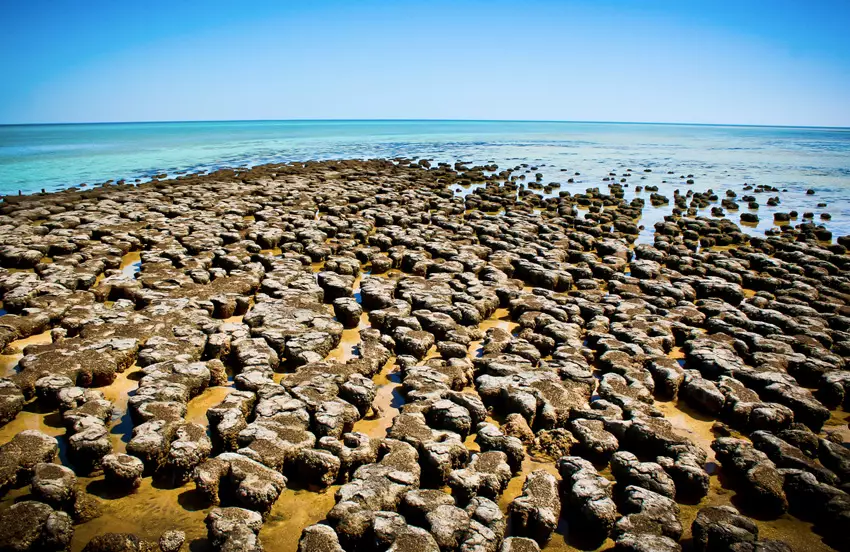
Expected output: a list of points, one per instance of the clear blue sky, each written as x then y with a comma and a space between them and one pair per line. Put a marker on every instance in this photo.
718, 61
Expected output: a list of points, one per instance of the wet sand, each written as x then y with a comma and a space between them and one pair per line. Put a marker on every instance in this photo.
15, 351
386, 404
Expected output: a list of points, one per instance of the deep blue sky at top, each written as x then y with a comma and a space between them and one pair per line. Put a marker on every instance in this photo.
718, 61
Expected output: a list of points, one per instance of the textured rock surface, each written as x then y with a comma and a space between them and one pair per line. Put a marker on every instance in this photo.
327, 347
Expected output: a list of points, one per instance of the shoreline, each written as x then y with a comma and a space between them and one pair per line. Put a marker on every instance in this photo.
336, 353
711, 205
56, 159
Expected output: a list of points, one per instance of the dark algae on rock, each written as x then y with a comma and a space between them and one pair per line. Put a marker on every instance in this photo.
353, 356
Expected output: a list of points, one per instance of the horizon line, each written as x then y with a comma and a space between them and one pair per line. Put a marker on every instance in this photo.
330, 120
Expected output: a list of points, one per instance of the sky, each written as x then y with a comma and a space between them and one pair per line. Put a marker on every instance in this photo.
771, 62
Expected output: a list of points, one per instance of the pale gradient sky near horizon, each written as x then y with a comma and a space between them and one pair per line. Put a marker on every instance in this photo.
728, 62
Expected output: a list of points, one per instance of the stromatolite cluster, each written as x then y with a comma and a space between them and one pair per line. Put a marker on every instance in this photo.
513, 326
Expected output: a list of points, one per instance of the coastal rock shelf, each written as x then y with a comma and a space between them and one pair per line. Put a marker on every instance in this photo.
353, 356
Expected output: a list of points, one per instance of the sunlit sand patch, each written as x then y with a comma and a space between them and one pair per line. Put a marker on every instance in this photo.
233, 319
118, 393
8, 362
196, 410
385, 406
689, 423
471, 444
147, 512
30, 418
432, 353
514, 488
294, 510
676, 353
392, 273
349, 343
499, 319
131, 264
838, 423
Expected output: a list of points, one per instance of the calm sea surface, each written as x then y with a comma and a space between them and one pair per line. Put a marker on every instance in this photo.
53, 157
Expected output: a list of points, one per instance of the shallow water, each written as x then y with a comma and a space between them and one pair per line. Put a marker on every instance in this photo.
53, 157
131, 264
8, 362
294, 510
31, 418
118, 393
196, 410
349, 343
385, 406
500, 319
689, 423
147, 512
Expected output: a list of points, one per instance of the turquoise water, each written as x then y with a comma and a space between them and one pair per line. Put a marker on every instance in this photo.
52, 157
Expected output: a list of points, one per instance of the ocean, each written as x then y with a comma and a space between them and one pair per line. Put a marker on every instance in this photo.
793, 159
